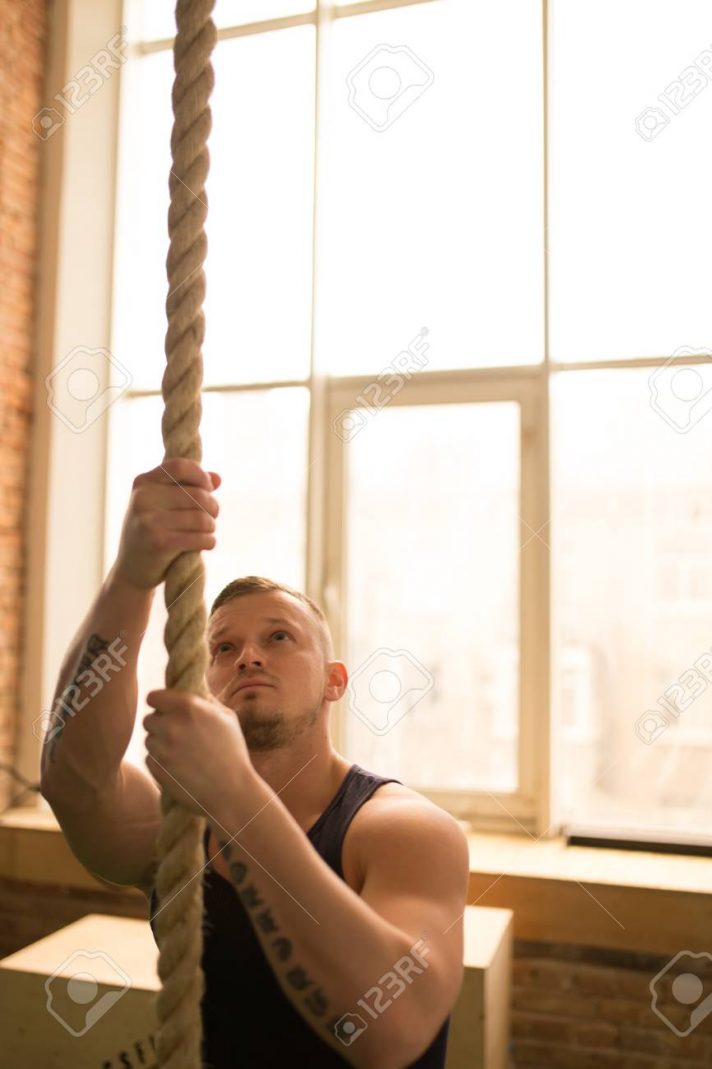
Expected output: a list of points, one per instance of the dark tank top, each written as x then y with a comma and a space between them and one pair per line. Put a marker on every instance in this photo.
247, 1018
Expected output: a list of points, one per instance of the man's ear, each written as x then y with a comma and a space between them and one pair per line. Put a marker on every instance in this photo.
337, 678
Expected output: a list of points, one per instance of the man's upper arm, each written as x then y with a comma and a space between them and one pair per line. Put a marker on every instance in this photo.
114, 835
415, 860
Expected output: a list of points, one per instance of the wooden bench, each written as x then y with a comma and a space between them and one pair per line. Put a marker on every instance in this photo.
84, 996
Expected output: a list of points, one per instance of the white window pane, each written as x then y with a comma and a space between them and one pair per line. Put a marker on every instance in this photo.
261, 527
141, 233
156, 18
431, 209
629, 221
258, 305
433, 595
259, 226
632, 527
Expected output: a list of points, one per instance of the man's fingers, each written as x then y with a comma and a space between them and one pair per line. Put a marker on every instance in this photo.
180, 497
182, 471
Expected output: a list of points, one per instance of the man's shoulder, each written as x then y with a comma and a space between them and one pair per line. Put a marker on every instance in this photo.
394, 808
397, 829
388, 793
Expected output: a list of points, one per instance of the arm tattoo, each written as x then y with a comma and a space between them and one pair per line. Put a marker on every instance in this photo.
93, 667
263, 920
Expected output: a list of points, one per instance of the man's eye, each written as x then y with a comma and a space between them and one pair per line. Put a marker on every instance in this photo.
219, 647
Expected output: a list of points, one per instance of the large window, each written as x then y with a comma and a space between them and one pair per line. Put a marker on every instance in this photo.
456, 378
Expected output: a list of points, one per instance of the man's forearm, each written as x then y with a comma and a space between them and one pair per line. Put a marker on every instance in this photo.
94, 705
327, 947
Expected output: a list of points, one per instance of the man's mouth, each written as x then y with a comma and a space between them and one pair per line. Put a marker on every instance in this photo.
250, 686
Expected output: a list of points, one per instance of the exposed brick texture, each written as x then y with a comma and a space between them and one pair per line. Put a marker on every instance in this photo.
23, 26
585, 1008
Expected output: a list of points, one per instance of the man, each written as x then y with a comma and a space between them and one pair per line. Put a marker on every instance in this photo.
333, 897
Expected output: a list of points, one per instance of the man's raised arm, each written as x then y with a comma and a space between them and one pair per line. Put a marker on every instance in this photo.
171, 510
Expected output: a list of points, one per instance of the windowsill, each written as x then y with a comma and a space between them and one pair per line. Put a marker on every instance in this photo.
654, 903
525, 857
625, 899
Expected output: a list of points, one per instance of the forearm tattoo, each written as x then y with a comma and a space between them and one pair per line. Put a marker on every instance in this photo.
99, 659
314, 1000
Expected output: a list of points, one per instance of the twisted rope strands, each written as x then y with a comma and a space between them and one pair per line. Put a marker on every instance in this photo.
179, 886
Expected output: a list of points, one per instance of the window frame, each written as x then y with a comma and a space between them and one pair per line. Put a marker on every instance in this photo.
74, 307
528, 807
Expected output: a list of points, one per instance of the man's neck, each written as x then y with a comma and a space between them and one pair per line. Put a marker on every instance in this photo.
305, 780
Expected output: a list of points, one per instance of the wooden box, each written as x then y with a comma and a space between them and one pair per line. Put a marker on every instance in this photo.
82, 997
479, 1027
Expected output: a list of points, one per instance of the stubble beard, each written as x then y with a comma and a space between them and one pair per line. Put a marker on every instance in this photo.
265, 731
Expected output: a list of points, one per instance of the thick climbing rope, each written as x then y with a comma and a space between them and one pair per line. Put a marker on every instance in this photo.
179, 845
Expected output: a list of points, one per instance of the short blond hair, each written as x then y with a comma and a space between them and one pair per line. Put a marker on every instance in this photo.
255, 584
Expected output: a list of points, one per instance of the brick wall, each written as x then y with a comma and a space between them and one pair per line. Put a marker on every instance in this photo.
590, 1008
22, 43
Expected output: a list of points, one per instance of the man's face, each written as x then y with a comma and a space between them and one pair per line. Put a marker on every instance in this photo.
270, 638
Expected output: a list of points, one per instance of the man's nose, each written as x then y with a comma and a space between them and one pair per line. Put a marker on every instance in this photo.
249, 654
